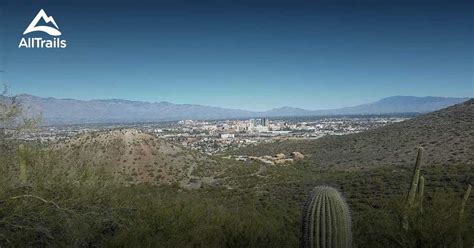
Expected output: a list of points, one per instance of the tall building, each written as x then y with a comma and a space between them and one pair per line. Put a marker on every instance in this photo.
264, 122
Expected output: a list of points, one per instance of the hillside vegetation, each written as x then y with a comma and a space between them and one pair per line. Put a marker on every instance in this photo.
136, 157
79, 194
447, 136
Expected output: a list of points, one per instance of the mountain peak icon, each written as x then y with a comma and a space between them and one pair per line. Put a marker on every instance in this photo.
47, 29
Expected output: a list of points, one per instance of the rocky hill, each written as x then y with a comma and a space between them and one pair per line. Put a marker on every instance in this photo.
447, 136
135, 156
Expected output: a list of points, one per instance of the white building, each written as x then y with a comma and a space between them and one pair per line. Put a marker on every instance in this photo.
227, 135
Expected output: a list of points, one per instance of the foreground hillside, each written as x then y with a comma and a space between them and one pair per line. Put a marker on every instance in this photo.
447, 136
136, 157
70, 196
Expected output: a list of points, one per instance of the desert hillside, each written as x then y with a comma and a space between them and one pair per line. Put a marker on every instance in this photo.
137, 156
447, 136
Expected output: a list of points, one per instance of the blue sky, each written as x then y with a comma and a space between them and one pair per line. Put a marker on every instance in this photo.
254, 55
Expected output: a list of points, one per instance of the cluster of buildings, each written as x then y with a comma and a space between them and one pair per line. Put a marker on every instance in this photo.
228, 126
217, 137
279, 159
214, 137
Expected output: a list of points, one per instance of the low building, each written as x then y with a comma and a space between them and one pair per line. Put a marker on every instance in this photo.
227, 135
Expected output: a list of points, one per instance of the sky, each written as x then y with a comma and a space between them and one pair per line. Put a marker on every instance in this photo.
254, 55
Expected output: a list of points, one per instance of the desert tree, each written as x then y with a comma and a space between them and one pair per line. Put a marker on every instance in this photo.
13, 115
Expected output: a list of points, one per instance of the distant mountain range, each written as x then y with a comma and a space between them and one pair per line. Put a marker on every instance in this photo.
71, 111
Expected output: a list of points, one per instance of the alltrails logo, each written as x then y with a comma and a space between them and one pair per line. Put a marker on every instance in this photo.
38, 42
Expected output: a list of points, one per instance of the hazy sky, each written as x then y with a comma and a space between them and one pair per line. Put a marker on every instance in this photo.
252, 55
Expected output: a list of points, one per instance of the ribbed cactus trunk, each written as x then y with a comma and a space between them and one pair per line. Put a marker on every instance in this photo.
326, 221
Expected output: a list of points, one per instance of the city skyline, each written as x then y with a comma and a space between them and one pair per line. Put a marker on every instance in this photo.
244, 55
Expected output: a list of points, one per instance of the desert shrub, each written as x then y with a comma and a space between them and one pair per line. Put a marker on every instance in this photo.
437, 226
81, 205
68, 204
50, 202
188, 220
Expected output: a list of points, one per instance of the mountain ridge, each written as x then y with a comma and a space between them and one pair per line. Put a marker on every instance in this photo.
73, 111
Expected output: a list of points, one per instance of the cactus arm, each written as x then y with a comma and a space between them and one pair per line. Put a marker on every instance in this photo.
421, 192
415, 177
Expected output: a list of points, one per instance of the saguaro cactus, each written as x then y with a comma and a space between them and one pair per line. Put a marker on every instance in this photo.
415, 177
326, 220
417, 184
421, 192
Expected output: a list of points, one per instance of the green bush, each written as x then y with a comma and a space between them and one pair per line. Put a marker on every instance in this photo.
74, 204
